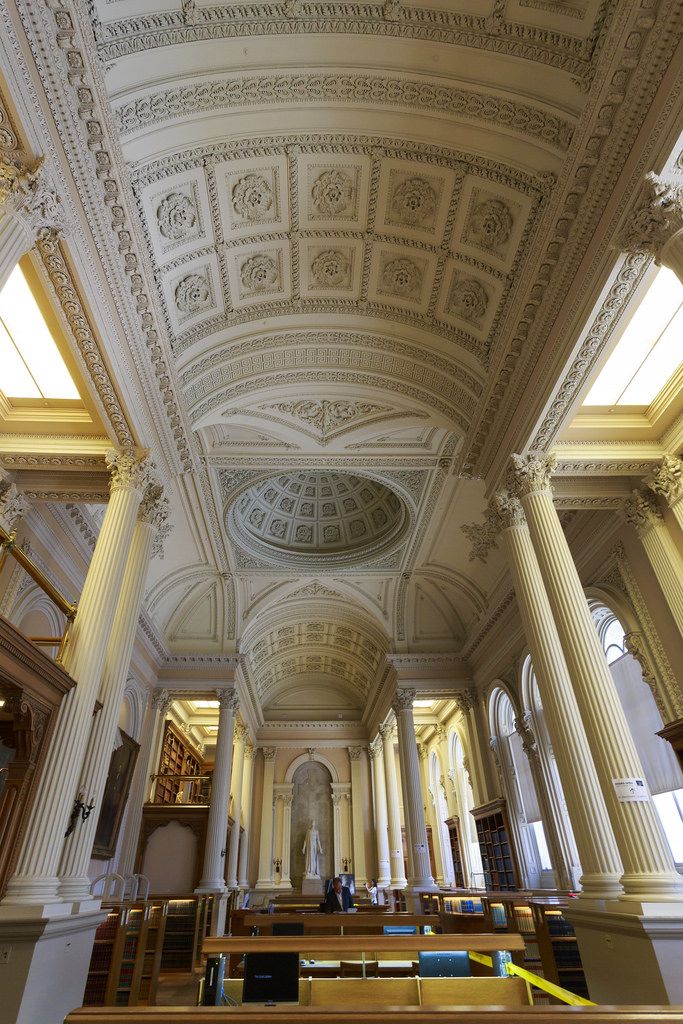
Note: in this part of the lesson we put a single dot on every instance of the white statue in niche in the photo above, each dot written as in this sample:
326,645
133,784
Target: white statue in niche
312,851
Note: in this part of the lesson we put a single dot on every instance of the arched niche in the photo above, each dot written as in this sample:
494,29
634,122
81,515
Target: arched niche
311,800
304,759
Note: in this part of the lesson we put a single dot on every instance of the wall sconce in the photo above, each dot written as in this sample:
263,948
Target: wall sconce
78,808
277,864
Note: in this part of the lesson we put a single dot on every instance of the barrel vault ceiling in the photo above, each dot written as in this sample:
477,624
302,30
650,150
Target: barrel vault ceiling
361,242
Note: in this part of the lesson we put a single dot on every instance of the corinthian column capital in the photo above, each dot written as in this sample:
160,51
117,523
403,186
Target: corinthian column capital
161,701
27,193
154,510
128,468
506,511
641,511
667,479
465,700
531,472
228,700
403,701
656,220
13,504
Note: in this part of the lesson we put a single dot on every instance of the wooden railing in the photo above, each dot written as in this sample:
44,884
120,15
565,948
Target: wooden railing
369,1015
8,546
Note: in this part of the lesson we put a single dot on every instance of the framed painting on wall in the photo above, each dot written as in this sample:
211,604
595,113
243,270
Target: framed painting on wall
121,769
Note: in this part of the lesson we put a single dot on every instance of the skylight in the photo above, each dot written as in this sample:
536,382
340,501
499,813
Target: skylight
422,703
205,703
30,362
649,351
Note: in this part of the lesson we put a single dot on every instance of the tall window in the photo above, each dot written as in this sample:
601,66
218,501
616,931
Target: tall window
662,772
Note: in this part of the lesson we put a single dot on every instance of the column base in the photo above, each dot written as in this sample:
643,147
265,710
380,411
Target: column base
422,885
630,957
398,883
652,888
600,887
211,890
263,884
32,891
48,963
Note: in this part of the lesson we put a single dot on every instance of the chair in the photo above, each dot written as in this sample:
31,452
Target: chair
454,964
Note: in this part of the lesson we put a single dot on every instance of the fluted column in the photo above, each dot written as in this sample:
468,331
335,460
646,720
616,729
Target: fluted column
357,815
600,861
237,776
265,863
655,225
641,511
161,701
35,879
285,873
421,880
561,868
431,819
147,763
649,872
29,208
379,793
213,875
73,870
442,747
337,831
398,878
480,772
245,842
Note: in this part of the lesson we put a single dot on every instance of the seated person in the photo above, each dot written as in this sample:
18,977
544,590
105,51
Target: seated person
338,898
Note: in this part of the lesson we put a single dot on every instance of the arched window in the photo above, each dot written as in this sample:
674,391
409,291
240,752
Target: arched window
661,769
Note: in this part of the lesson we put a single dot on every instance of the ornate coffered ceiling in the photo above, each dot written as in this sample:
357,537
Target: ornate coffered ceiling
321,242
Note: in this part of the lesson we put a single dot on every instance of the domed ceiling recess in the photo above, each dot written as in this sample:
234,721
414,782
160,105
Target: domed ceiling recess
315,515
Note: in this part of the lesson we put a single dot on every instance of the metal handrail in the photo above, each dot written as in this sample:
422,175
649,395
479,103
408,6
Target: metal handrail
8,546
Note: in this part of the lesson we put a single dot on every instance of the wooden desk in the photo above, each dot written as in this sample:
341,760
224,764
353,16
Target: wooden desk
255,1014
339,923
214,945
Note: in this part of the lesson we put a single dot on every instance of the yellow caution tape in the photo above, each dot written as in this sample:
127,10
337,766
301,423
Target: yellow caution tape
546,986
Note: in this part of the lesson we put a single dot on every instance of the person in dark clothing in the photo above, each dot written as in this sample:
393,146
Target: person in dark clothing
338,899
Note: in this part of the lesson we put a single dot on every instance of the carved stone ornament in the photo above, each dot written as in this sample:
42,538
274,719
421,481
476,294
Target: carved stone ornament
332,193
506,510
656,220
441,734
667,479
252,197
27,192
241,732
403,701
13,504
331,269
161,702
490,224
635,645
269,753
482,537
355,753
228,700
402,277
413,202
193,294
464,701
376,748
258,273
641,511
523,729
531,472
176,216
326,416
468,300
154,509
128,468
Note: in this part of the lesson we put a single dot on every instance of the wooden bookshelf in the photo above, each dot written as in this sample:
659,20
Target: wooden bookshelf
455,839
178,757
558,948
187,924
497,854
126,956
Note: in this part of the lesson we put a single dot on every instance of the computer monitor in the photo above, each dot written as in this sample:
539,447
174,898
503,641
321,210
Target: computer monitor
454,964
400,929
271,978
285,928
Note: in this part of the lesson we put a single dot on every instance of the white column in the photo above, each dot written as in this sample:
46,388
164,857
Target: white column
481,776
649,871
73,870
35,880
265,864
163,701
237,776
379,795
398,878
598,854
421,880
428,803
213,875
29,208
642,512
285,879
243,870
147,764
357,815
336,831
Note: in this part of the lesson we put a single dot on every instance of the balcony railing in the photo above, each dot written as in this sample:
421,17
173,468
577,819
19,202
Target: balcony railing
182,789
8,547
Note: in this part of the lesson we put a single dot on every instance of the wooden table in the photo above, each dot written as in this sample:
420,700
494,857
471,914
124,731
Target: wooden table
255,1014
337,922
214,945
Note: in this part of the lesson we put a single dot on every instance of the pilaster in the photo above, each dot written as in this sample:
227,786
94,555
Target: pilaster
213,875
240,737
265,866
379,793
421,879
356,755
398,878
642,512
247,797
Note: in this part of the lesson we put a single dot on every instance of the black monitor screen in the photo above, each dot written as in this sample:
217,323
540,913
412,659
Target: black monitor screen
271,978
288,928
